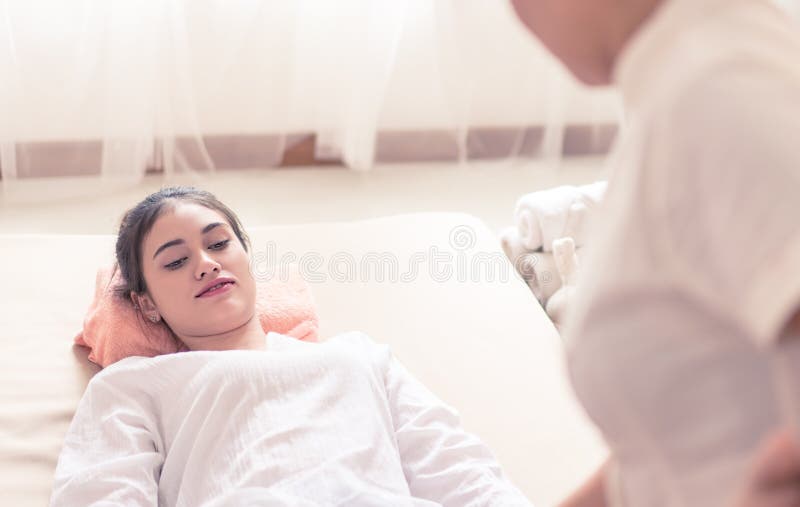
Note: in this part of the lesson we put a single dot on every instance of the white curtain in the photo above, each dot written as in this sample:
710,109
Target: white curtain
793,6
112,87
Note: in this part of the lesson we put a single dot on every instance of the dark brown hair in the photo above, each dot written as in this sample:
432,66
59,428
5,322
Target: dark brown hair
137,222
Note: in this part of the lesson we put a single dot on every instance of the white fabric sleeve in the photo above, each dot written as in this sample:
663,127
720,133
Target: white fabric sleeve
441,461
109,455
723,170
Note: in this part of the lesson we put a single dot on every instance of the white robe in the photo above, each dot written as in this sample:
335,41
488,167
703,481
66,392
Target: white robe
340,422
673,336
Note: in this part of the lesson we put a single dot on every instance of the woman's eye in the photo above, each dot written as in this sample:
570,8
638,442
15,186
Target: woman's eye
220,245
175,264
216,246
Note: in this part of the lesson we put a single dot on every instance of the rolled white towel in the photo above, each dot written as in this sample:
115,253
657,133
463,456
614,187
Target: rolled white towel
567,263
540,272
537,269
512,244
558,212
543,279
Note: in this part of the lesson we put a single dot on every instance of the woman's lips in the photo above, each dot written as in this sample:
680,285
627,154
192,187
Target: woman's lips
226,287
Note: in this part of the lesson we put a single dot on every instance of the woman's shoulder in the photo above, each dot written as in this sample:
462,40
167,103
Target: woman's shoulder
353,338
128,364
135,366
128,381
361,343
133,369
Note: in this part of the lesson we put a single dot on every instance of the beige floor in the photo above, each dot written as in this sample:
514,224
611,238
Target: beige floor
299,195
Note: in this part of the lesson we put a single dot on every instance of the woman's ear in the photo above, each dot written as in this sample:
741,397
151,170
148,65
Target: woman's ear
145,305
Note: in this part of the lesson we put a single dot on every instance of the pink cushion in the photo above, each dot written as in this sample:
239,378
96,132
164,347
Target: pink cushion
113,329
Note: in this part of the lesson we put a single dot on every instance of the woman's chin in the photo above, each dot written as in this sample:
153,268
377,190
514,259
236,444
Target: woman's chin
230,322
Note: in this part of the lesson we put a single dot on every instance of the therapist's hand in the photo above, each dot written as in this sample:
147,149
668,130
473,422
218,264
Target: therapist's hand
774,476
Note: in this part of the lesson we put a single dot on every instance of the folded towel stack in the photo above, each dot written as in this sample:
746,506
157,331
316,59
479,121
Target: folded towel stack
543,219
560,212
538,269
567,264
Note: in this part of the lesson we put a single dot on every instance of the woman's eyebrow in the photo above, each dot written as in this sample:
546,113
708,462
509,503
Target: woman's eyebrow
179,241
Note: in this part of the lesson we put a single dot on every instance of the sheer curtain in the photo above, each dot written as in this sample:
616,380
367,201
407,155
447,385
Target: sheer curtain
95,92
793,6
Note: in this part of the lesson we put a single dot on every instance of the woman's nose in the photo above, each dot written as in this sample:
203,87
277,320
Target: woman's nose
206,265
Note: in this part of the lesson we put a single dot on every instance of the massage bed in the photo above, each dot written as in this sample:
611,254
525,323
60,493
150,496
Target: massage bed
475,335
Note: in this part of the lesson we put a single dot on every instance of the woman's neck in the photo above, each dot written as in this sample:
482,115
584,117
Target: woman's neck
248,336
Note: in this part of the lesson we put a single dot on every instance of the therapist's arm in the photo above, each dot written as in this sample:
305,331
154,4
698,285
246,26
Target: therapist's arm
591,494
773,479
793,327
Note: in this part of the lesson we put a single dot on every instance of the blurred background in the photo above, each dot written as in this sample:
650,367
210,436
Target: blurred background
292,111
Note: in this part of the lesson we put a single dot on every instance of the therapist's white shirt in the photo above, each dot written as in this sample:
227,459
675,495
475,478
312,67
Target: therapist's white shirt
694,265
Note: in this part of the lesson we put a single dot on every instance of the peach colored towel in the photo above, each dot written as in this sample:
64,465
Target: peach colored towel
114,330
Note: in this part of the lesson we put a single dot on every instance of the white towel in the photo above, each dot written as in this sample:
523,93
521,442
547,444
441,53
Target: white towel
512,244
539,270
564,211
567,263
545,280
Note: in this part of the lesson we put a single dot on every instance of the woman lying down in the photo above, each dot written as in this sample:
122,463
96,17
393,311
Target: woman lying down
246,418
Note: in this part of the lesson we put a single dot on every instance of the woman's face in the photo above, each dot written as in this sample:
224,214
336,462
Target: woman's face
187,248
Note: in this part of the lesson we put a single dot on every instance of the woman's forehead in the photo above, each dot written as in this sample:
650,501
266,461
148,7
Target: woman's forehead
182,221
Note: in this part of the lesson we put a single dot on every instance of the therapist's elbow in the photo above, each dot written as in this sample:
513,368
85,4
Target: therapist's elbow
792,328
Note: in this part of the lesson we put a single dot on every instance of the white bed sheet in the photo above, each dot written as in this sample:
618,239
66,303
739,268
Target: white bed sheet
483,345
